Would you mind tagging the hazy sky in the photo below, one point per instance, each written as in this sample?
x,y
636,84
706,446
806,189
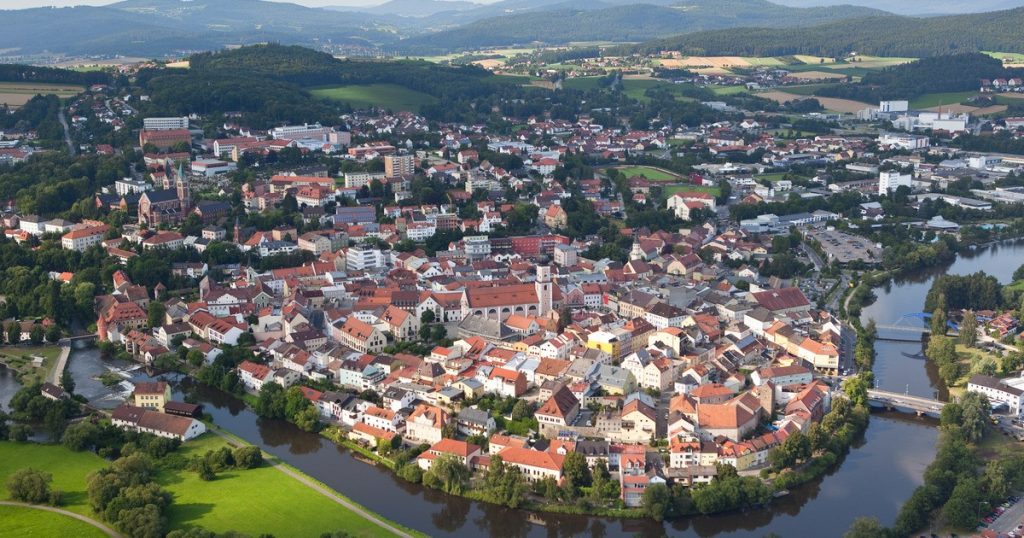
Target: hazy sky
x,y
18,4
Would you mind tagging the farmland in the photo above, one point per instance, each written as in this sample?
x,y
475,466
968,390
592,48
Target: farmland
x,y
16,94
390,96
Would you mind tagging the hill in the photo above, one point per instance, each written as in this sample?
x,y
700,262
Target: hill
x,y
623,23
165,27
937,74
918,7
880,36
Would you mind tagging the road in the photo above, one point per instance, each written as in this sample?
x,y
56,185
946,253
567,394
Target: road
x,y
325,491
67,132
106,530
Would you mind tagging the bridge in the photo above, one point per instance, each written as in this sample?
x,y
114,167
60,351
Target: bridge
x,y
905,402
901,332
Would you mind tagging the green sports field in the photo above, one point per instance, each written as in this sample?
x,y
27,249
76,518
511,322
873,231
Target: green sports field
x,y
652,174
390,96
670,190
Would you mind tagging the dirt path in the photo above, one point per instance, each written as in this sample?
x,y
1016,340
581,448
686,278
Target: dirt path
x,y
326,492
56,375
106,530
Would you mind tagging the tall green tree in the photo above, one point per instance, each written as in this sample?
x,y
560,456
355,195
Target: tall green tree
x,y
969,329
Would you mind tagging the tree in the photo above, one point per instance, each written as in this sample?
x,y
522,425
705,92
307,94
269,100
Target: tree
x,y
939,325
1018,274
37,335
67,382
53,334
451,474
205,470
13,333
155,314
427,317
865,527
521,410
657,501
969,329
961,510
29,485
248,457
974,415
271,403
577,473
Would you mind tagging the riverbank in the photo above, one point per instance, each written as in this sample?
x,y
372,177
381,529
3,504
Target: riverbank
x,y
24,361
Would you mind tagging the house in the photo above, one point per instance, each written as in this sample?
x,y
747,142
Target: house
x,y
154,422
425,424
152,395
359,335
506,383
52,392
534,464
473,421
253,375
558,412
81,239
783,300
461,450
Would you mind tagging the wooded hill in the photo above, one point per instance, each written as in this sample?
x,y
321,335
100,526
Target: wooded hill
x,y
938,74
623,23
880,36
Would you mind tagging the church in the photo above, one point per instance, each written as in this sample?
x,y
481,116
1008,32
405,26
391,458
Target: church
x,y
500,302
166,206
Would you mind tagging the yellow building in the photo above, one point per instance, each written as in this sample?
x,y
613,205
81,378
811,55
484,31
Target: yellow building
x,y
606,342
152,395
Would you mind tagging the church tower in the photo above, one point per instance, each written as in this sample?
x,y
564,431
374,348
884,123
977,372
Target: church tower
x,y
184,196
544,290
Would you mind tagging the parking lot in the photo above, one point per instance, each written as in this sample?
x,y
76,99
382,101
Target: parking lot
x,y
1010,521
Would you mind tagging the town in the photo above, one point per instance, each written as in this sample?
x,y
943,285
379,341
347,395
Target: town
x,y
616,308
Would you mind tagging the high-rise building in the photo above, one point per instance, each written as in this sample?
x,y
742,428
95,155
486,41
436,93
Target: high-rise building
x,y
399,165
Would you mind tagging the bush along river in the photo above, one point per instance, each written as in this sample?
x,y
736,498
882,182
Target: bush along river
x,y
874,479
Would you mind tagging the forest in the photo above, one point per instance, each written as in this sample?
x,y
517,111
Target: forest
x,y
948,73
879,36
31,73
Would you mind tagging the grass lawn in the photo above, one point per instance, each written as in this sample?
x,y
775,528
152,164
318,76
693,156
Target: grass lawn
x,y
728,90
771,177
929,100
814,60
672,189
648,172
254,501
581,83
635,87
1013,57
769,61
18,521
1016,286
390,96
68,468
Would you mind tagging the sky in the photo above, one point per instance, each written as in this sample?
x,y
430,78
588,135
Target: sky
x,y
19,4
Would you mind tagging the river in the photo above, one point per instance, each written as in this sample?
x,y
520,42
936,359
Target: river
x,y
875,479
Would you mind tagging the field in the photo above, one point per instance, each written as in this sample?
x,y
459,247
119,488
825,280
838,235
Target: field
x,y
16,94
1013,59
818,75
390,96
930,100
672,189
728,90
814,60
254,502
653,174
19,359
581,83
19,521
830,103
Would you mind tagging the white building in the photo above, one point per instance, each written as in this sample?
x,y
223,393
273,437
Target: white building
x,y
81,239
904,141
299,132
997,392
361,258
165,124
891,180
